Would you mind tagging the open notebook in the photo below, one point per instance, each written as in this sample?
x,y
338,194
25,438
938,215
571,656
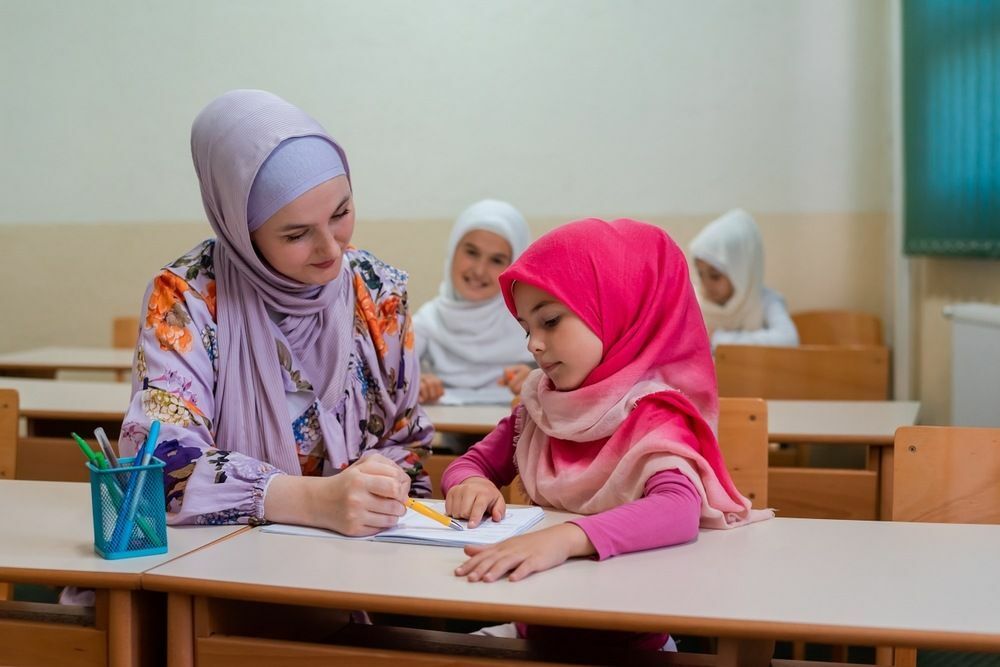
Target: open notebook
x,y
415,528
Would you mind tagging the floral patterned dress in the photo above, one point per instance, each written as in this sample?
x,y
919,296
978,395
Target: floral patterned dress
x,y
176,371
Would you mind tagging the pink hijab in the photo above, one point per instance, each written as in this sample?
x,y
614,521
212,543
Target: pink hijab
x,y
230,140
651,404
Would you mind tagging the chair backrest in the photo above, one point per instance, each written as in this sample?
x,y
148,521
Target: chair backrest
x,y
807,372
838,327
124,332
743,440
8,433
946,474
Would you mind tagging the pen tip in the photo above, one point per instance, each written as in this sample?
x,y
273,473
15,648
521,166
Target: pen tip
x,y
456,525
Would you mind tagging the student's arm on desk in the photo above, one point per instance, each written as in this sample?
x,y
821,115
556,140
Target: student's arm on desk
x,y
668,514
471,484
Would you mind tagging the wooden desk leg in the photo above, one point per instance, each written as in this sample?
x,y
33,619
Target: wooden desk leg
x,y
180,630
744,652
885,463
123,628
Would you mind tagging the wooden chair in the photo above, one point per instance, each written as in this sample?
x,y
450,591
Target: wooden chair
x,y
808,372
838,327
811,372
124,335
8,448
944,474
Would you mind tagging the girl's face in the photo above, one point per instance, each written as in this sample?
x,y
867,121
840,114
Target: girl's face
x,y
716,284
563,346
480,258
306,239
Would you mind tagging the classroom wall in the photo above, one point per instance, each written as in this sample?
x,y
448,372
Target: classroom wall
x,y
672,111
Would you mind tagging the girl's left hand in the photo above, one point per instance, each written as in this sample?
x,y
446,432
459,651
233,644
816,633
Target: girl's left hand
x,y
525,554
513,377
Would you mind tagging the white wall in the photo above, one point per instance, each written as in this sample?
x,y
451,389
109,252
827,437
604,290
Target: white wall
x,y
641,108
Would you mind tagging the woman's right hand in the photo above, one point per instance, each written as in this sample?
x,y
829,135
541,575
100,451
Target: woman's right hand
x,y
473,498
431,388
363,499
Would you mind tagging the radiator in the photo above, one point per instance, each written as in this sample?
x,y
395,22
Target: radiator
x,y
975,363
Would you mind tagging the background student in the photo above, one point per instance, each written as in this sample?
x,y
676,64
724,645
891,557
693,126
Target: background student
x,y
465,337
728,259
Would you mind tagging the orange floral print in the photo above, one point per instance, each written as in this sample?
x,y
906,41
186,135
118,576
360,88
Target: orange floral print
x,y
166,313
210,298
365,309
388,321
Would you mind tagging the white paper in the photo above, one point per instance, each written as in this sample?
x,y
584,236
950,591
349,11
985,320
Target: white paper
x,y
415,528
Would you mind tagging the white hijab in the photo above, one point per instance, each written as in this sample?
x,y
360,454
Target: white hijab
x,y
468,343
732,244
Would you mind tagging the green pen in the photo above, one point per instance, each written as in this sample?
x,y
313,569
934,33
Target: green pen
x,y
114,489
85,448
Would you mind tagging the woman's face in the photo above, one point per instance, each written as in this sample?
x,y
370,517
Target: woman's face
x,y
306,239
715,284
480,258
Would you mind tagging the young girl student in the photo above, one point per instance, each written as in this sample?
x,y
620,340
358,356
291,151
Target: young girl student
x,y
277,357
465,337
729,274
617,423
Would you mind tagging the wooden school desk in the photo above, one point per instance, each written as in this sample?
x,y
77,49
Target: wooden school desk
x,y
51,409
48,539
46,362
885,583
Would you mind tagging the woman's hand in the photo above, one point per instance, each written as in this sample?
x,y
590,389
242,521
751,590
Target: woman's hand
x,y
525,554
473,498
431,388
363,499
513,377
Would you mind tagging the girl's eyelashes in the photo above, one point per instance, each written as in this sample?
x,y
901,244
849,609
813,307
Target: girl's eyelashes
x,y
551,322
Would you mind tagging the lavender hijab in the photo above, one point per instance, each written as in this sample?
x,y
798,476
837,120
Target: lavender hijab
x,y
230,140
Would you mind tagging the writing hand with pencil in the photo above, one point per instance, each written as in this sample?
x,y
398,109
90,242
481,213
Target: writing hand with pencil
x,y
513,377
366,497
473,499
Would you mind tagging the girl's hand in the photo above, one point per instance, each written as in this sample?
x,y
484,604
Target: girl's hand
x,y
431,388
525,554
513,377
473,498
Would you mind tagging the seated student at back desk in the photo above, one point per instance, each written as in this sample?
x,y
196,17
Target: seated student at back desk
x,y
728,257
471,350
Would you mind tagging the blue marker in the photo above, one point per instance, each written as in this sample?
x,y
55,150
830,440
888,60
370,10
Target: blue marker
x,y
125,522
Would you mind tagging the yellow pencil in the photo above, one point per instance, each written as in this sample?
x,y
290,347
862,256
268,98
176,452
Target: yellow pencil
x,y
420,508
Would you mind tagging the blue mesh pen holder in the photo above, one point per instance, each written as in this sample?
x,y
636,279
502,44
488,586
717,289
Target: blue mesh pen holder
x,y
130,517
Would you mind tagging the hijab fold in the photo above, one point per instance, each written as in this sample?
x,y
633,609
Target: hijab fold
x,y
230,139
732,244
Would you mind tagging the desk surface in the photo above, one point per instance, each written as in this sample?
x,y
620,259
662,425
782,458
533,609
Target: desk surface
x,y
67,399
68,358
924,585
48,538
867,422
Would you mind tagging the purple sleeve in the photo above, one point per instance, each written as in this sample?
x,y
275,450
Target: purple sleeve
x,y
668,513
492,458
173,381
